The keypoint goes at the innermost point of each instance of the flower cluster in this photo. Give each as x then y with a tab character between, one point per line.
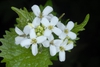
46	31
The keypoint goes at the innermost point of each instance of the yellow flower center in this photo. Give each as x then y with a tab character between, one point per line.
62	48
50	27
66	31
40	15
52	42
34	41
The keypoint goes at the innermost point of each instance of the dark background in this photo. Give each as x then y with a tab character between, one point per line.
86	53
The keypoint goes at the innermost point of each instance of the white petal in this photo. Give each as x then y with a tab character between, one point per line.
62	56
18	31
62	36
40	39
57	31
47	32
46	43
34	49
45	22
65	42
70	25
27	29
69	46
53	50
50	38
32	34
54	20
72	35
47	10
49	17
61	25
36	21
27	46
36	10
57	42
26	42
18	40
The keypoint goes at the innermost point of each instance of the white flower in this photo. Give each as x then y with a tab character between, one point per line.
51	43
34	40
51	26
22	35
50	16
39	15
64	47
66	30
28	27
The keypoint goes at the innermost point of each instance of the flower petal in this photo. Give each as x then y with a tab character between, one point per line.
36	22
72	35
47	10
32	34
64	42
27	46
18	40
57	42
36	10
70	25
62	56
49	16
69	46
34	49
45	22
61	25
27	29
40	39
53	50
47	32
26	42
18	31
50	38
54	21
62	36
46	43
57	31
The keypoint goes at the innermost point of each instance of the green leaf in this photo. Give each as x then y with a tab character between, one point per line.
55	58
24	16
81	26
17	56
23	13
